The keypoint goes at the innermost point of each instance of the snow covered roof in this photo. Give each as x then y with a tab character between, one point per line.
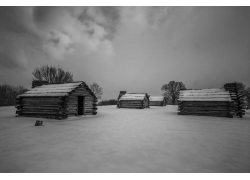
53	89
205	95
133	96
156	98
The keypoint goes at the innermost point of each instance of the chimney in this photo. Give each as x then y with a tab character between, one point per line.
36	83
121	94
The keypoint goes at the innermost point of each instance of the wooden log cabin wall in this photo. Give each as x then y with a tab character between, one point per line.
236	95
157	101
205	102
57	101
133	100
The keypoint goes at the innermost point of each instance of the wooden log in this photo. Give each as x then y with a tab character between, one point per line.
131	104
138	107
69	110
214	115
37	112
49	116
72	103
43	108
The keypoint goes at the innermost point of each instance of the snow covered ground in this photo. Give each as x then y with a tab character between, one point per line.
125	140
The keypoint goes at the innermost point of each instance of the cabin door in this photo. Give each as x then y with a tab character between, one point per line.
80	105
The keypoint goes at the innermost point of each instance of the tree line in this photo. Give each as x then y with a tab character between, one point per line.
107	102
9	93
53	74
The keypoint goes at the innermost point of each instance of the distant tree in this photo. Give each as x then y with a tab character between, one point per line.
107	102
172	90
242	88
97	90
247	94
52	74
9	93
245	91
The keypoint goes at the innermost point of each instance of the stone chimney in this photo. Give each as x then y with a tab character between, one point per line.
36	83
121	94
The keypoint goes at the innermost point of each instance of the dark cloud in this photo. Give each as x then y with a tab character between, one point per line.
201	46
17	20
57	31
107	17
12	19
11	56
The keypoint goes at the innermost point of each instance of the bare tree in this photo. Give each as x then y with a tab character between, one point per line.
247	93
241	88
97	90
107	102
172	90
52	74
9	93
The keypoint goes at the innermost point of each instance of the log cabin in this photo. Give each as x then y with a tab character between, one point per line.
133	100
157	101
205	102
57	101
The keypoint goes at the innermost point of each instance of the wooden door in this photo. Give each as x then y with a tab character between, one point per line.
80	105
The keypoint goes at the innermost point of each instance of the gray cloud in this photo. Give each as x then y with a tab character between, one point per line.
57	31
12	56
61	31
131	48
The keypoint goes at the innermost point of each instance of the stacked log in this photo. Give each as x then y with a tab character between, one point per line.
45	107
205	102
131	104
56	101
133	100
120	95
236	95
157	101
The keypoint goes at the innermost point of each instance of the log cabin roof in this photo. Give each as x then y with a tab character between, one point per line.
156	98
205	95
55	90
133	96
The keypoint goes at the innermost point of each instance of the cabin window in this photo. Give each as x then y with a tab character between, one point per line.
80	105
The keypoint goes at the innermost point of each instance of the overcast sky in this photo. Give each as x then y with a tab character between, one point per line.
135	49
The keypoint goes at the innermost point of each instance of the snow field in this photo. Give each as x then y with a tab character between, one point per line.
125	140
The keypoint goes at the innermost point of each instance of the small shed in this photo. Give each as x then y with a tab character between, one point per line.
157	101
133	100
57	101
205	102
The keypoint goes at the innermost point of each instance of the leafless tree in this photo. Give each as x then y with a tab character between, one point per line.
107	102
9	93
172	90
97	90
245	92
52	74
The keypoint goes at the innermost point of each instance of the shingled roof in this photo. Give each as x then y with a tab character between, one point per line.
55	90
